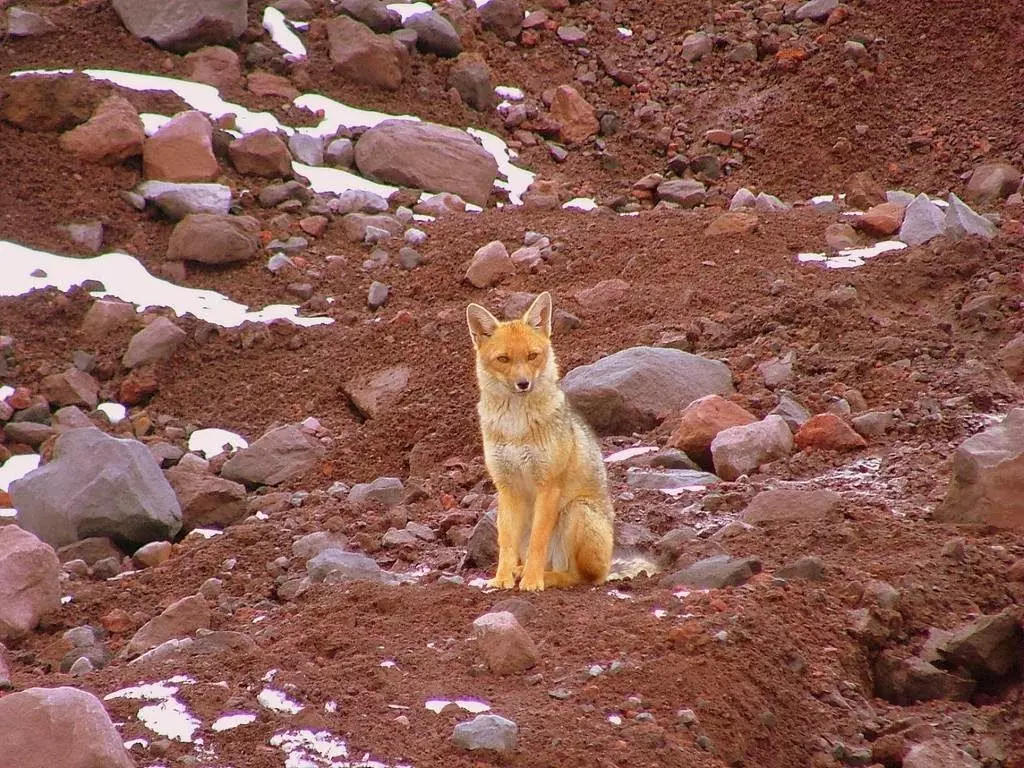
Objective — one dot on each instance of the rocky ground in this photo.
(815, 448)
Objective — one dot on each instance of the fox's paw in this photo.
(502, 582)
(532, 584)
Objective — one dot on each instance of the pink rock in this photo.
(261, 153)
(702, 420)
(828, 432)
(607, 293)
(214, 65)
(114, 133)
(490, 264)
(574, 115)
(29, 583)
(507, 648)
(182, 150)
(181, 619)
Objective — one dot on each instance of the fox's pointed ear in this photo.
(539, 314)
(481, 323)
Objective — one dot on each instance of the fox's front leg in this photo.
(511, 514)
(545, 517)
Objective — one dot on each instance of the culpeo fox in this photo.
(554, 512)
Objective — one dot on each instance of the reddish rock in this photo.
(789, 505)
(182, 150)
(261, 153)
(211, 238)
(839, 236)
(490, 264)
(73, 387)
(106, 316)
(138, 386)
(181, 619)
(114, 133)
(607, 293)
(701, 420)
(373, 394)
(206, 500)
(313, 226)
(269, 84)
(364, 57)
(117, 621)
(20, 399)
(991, 182)
(719, 136)
(574, 115)
(507, 648)
(29, 582)
(153, 554)
(1011, 357)
(862, 191)
(732, 223)
(214, 65)
(881, 220)
(828, 432)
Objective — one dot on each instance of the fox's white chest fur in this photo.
(516, 445)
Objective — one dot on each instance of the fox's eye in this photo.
(502, 358)
(532, 355)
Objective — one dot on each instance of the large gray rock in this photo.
(29, 582)
(632, 390)
(961, 221)
(278, 455)
(335, 565)
(214, 239)
(178, 199)
(206, 500)
(487, 732)
(364, 57)
(435, 34)
(904, 681)
(427, 156)
(987, 487)
(154, 343)
(97, 485)
(715, 572)
(922, 220)
(184, 25)
(383, 490)
(66, 727)
(741, 450)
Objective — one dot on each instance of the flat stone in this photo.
(491, 732)
(715, 573)
(789, 505)
(507, 648)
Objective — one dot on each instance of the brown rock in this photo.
(269, 84)
(1011, 357)
(73, 387)
(152, 554)
(261, 153)
(788, 505)
(364, 57)
(701, 420)
(214, 65)
(881, 220)
(862, 191)
(991, 182)
(106, 316)
(574, 115)
(207, 501)
(429, 157)
(137, 386)
(182, 150)
(732, 223)
(507, 648)
(374, 393)
(91, 550)
(503, 17)
(212, 238)
(490, 264)
(47, 103)
(471, 77)
(606, 294)
(828, 432)
(313, 226)
(181, 619)
(116, 621)
(839, 237)
(114, 133)
(153, 344)
(29, 583)
(719, 136)
(938, 753)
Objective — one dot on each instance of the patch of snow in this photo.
(331, 707)
(625, 31)
(479, 583)
(389, 664)
(211, 441)
(510, 92)
(205, 533)
(115, 411)
(16, 468)
(581, 204)
(136, 743)
(338, 180)
(405, 10)
(124, 277)
(660, 613)
(227, 722)
(269, 677)
(277, 25)
(338, 115)
(469, 705)
(308, 748)
(6, 391)
(278, 701)
(619, 594)
(168, 717)
(66, 599)
(851, 257)
(629, 453)
(517, 179)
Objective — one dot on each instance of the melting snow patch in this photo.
(581, 204)
(269, 677)
(405, 10)
(479, 583)
(136, 743)
(16, 468)
(276, 24)
(469, 705)
(227, 722)
(168, 717)
(629, 453)
(619, 594)
(278, 701)
(625, 31)
(6, 391)
(309, 748)
(388, 664)
(509, 92)
(615, 719)
(210, 442)
(205, 533)
(336, 180)
(851, 257)
(338, 115)
(660, 613)
(66, 599)
(331, 707)
(115, 411)
(124, 277)
(518, 179)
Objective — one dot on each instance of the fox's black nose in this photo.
(522, 385)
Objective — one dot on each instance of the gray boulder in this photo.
(335, 565)
(97, 485)
(184, 25)
(961, 221)
(487, 732)
(715, 572)
(178, 199)
(922, 221)
(435, 34)
(154, 343)
(278, 455)
(632, 390)
(214, 239)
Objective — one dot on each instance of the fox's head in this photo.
(514, 357)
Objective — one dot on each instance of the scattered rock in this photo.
(278, 455)
(471, 76)
(991, 182)
(177, 200)
(155, 343)
(1011, 357)
(364, 57)
(373, 13)
(97, 485)
(905, 681)
(384, 490)
(44, 727)
(938, 753)
(490, 264)
(989, 648)
(113, 133)
(696, 46)
(427, 156)
(839, 237)
(261, 153)
(73, 387)
(482, 547)
(881, 220)
(631, 390)
(607, 294)
(153, 554)
(818, 10)
(507, 648)
(961, 221)
(306, 148)
(182, 150)
(828, 432)
(341, 153)
(435, 34)
(574, 115)
(45, 103)
(786, 505)
(214, 65)
(873, 423)
(333, 566)
(181, 619)
(106, 316)
(29, 432)
(740, 450)
(777, 371)
(862, 191)
(375, 393)
(214, 239)
(922, 221)
(503, 17)
(688, 193)
(733, 223)
(487, 732)
(715, 572)
(184, 25)
(22, 23)
(790, 409)
(29, 583)
(805, 569)
(701, 420)
(206, 500)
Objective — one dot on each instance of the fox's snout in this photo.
(523, 385)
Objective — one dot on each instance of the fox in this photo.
(555, 515)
